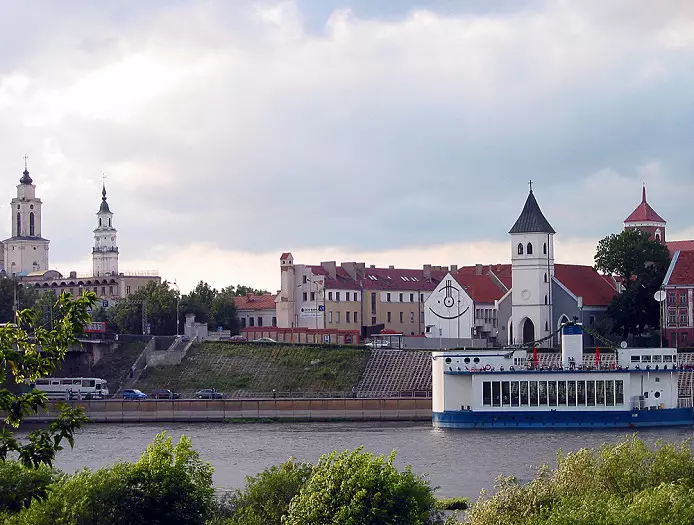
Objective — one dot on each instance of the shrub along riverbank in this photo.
(615, 484)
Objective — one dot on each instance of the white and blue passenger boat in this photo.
(505, 388)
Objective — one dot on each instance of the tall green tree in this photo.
(26, 297)
(29, 350)
(199, 302)
(242, 290)
(160, 300)
(641, 264)
(223, 312)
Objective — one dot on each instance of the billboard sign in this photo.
(95, 327)
(310, 312)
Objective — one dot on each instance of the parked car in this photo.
(378, 344)
(133, 393)
(264, 340)
(164, 393)
(237, 338)
(208, 393)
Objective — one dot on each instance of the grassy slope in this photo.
(114, 367)
(230, 367)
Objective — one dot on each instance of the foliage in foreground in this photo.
(612, 485)
(29, 350)
(169, 484)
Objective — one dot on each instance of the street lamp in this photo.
(178, 302)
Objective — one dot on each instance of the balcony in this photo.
(485, 325)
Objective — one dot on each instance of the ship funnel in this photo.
(571, 345)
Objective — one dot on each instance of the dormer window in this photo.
(520, 249)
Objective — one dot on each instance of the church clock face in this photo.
(449, 302)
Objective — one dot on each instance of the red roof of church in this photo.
(480, 288)
(255, 302)
(682, 246)
(683, 272)
(584, 281)
(644, 212)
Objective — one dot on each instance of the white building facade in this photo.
(449, 312)
(105, 251)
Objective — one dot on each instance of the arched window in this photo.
(19, 224)
(530, 249)
(545, 276)
(544, 248)
(546, 326)
(657, 235)
(31, 224)
(546, 301)
(109, 223)
(520, 245)
(99, 221)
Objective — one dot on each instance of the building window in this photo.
(274, 321)
(545, 276)
(402, 315)
(31, 224)
(546, 326)
(304, 296)
(373, 304)
(683, 318)
(520, 248)
(530, 249)
(347, 296)
(305, 279)
(591, 320)
(127, 290)
(671, 298)
(671, 318)
(673, 337)
(103, 290)
(388, 297)
(412, 317)
(657, 235)
(389, 317)
(546, 301)
(544, 249)
(683, 298)
(330, 296)
(401, 298)
(243, 322)
(684, 338)
(412, 298)
(337, 296)
(313, 296)
(19, 224)
(356, 318)
(260, 321)
(330, 317)
(373, 320)
(347, 317)
(251, 321)
(421, 297)
(337, 317)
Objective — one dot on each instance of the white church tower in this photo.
(105, 252)
(532, 263)
(26, 251)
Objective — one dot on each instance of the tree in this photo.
(641, 264)
(358, 487)
(160, 300)
(199, 302)
(241, 290)
(26, 296)
(223, 312)
(29, 351)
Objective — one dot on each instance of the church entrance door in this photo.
(528, 331)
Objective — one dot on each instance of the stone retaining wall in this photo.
(122, 411)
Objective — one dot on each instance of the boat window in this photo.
(667, 358)
(657, 394)
(590, 393)
(542, 389)
(515, 394)
(55, 382)
(496, 394)
(581, 393)
(645, 394)
(657, 380)
(619, 392)
(448, 360)
(645, 358)
(599, 392)
(571, 393)
(552, 390)
(476, 360)
(533, 394)
(524, 400)
(467, 360)
(657, 358)
(609, 393)
(561, 391)
(505, 393)
(635, 359)
(42, 382)
(487, 393)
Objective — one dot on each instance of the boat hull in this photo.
(564, 419)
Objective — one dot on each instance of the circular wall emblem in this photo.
(525, 294)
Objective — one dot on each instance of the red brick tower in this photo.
(646, 219)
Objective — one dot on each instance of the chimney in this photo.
(330, 267)
(478, 269)
(372, 266)
(351, 269)
(361, 269)
(454, 268)
(391, 267)
(427, 272)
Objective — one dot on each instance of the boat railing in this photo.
(684, 402)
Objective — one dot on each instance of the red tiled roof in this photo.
(481, 288)
(584, 281)
(644, 212)
(285, 255)
(682, 246)
(683, 272)
(401, 279)
(255, 302)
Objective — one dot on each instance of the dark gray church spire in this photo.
(531, 219)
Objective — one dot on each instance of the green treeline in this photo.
(625, 483)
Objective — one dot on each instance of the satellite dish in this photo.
(623, 344)
(659, 296)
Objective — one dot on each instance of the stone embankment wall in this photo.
(122, 411)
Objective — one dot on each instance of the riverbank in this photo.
(247, 410)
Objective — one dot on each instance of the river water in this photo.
(460, 462)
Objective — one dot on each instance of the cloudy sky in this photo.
(393, 132)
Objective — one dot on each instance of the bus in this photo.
(72, 387)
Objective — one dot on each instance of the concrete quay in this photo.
(201, 410)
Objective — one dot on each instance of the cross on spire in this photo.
(531, 186)
(26, 157)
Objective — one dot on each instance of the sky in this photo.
(395, 132)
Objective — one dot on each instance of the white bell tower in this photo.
(105, 252)
(532, 266)
(26, 251)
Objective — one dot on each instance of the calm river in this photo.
(459, 462)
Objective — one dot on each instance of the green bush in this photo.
(360, 488)
(169, 484)
(613, 485)
(267, 496)
(20, 485)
